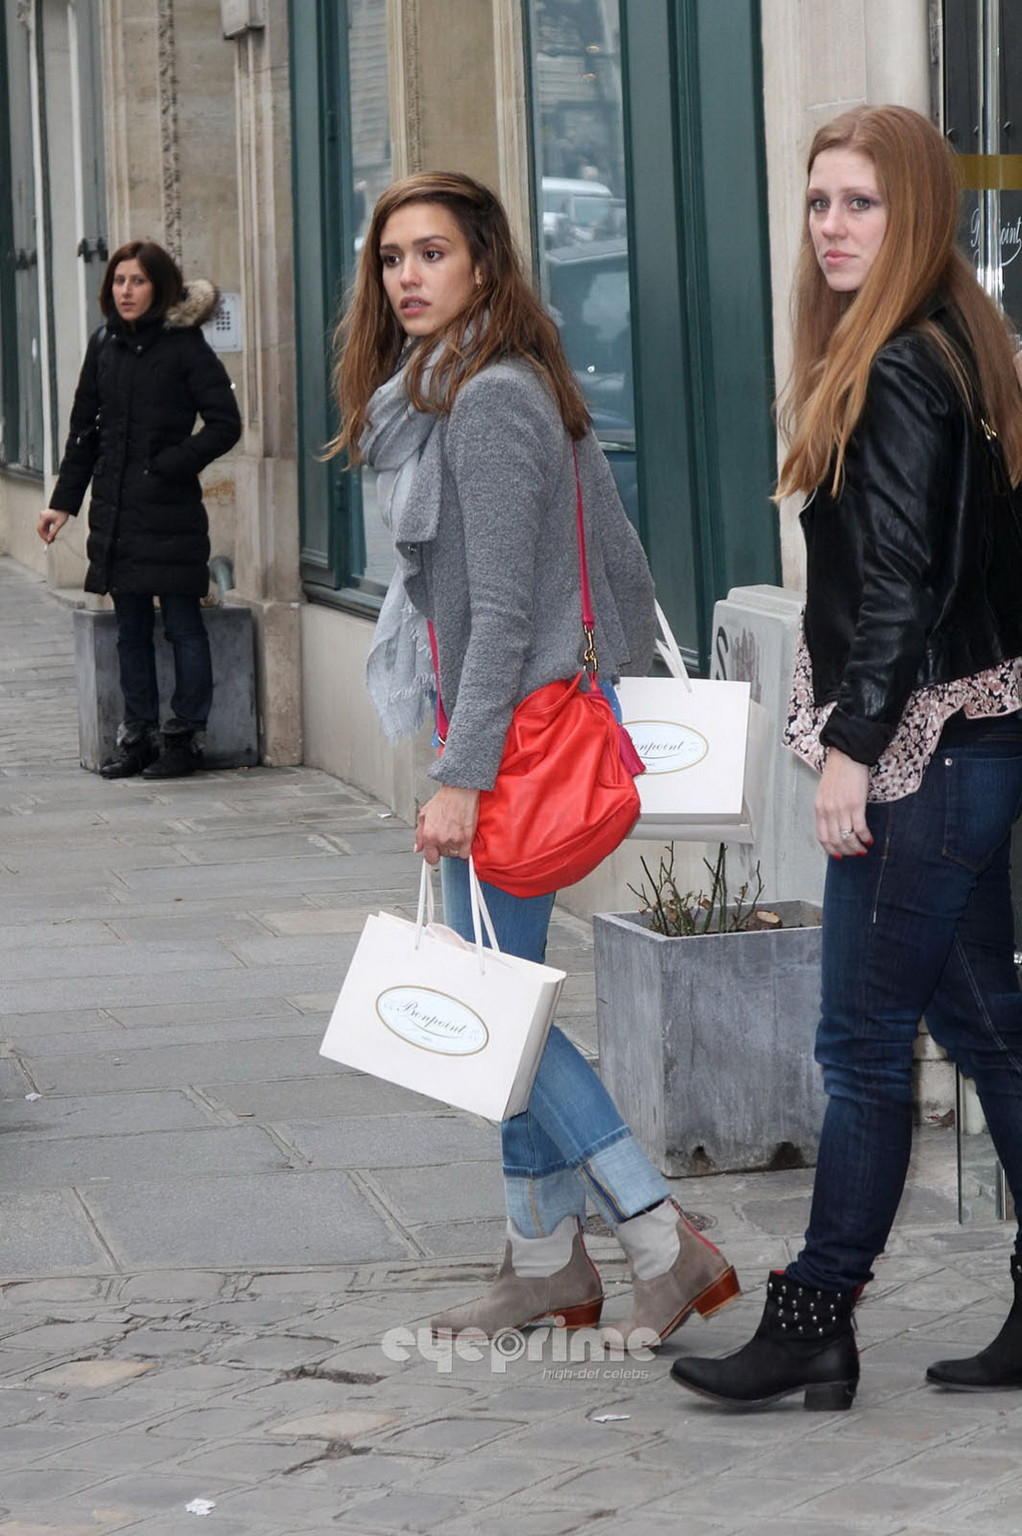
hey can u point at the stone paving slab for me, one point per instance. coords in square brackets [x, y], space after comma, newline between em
[13, 1081]
[120, 960]
[340, 1095]
[44, 1231]
[69, 932]
[165, 1066]
[414, 1192]
[178, 983]
[392, 1141]
[33, 1162]
[271, 1018]
[102, 1115]
[307, 1217]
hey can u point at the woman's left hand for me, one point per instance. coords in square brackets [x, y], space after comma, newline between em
[841, 824]
[447, 824]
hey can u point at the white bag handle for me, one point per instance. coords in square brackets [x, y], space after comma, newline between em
[480, 912]
[667, 648]
[427, 906]
[480, 909]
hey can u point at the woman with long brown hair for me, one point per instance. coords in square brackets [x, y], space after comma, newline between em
[905, 438]
[453, 387]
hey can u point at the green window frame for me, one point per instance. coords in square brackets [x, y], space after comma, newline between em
[330, 500]
[699, 274]
[23, 231]
[702, 349]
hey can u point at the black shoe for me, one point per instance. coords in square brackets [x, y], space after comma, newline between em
[136, 749]
[805, 1343]
[178, 758]
[998, 1368]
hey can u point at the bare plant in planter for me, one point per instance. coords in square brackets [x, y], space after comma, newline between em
[707, 1006]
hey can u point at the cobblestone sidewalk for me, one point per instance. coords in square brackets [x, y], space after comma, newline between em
[217, 1249]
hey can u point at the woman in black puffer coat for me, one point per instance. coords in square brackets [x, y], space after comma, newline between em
[148, 373]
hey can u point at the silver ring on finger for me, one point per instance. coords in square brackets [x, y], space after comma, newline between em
[846, 832]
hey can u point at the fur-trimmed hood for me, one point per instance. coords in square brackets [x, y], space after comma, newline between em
[196, 305]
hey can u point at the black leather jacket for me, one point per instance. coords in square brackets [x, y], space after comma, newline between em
[915, 567]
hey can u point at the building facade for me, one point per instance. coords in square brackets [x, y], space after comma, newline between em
[651, 153]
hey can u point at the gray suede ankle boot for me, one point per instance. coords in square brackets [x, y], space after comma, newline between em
[700, 1279]
[571, 1298]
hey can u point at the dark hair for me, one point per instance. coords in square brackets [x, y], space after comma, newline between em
[503, 318]
[159, 267]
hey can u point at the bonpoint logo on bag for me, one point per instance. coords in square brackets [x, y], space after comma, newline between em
[433, 1021]
[667, 746]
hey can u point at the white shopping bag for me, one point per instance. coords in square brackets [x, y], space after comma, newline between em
[459, 1022]
[703, 743]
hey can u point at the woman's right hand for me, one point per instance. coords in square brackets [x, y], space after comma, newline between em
[841, 825]
[50, 523]
[447, 824]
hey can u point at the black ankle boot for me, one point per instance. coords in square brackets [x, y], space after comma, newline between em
[805, 1342]
[999, 1366]
[135, 750]
[178, 757]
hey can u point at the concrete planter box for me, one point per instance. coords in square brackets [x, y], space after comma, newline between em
[706, 1043]
[231, 736]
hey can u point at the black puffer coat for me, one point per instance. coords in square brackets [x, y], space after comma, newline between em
[140, 390]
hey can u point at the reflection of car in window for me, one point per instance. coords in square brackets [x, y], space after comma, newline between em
[589, 297]
[588, 291]
[578, 210]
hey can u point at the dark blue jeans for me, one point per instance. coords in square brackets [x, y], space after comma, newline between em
[187, 637]
[921, 926]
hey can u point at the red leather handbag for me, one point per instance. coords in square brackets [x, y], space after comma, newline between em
[565, 794]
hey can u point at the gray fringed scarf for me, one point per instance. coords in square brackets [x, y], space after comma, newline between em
[399, 670]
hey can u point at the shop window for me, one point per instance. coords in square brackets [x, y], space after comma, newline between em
[647, 135]
[21, 426]
[581, 198]
[982, 102]
[342, 162]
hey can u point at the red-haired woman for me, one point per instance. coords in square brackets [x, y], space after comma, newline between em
[148, 372]
[453, 386]
[905, 421]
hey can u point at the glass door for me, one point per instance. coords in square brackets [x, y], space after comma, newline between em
[581, 201]
[647, 135]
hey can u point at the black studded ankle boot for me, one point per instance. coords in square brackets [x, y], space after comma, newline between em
[998, 1368]
[805, 1342]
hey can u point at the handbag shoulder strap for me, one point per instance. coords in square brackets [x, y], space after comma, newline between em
[588, 618]
[441, 713]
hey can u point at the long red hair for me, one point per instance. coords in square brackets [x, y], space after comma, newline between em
[837, 335]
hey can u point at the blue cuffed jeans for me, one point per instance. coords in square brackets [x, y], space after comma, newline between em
[571, 1141]
[186, 634]
[922, 926]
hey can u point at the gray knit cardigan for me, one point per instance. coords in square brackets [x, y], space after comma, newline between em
[489, 552]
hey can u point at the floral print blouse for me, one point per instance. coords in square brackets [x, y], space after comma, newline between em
[900, 768]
